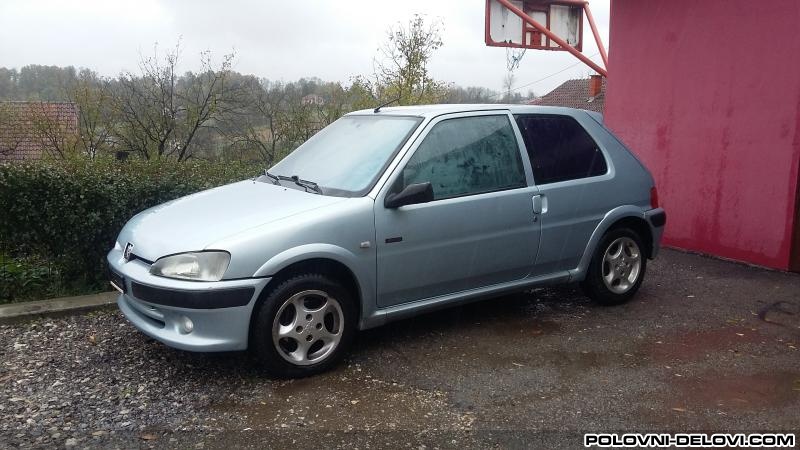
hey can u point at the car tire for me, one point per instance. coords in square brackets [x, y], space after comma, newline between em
[304, 326]
[617, 268]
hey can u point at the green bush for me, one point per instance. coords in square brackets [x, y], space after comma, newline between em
[69, 213]
[24, 278]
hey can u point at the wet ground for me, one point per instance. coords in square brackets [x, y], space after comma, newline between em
[707, 345]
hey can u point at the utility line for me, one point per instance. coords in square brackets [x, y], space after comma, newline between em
[543, 78]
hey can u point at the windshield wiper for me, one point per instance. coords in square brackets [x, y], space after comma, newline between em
[305, 184]
[275, 179]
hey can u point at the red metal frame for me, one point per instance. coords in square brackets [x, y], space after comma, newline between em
[563, 45]
[596, 34]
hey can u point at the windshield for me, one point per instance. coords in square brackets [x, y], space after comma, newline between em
[347, 156]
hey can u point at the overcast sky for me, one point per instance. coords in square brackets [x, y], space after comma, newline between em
[281, 40]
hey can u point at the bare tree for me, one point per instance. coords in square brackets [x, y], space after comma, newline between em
[258, 125]
[57, 136]
[508, 85]
[92, 96]
[13, 135]
[273, 119]
[159, 114]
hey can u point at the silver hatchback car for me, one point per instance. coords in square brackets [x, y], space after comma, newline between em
[385, 214]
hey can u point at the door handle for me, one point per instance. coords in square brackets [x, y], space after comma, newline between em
[539, 204]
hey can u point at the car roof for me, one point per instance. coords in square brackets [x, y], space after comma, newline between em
[437, 110]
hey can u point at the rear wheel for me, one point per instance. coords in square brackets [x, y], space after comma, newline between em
[304, 326]
[617, 268]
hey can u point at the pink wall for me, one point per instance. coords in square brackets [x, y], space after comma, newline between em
[707, 94]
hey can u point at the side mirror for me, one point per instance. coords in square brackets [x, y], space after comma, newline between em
[411, 195]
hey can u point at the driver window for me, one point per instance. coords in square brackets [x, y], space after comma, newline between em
[465, 156]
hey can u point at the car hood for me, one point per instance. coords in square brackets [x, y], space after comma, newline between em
[193, 222]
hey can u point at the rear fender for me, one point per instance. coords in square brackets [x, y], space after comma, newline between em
[611, 217]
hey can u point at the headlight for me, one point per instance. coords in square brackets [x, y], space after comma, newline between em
[198, 266]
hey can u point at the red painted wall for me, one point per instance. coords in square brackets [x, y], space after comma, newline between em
[707, 94]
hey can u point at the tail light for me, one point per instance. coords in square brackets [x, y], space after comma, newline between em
[653, 197]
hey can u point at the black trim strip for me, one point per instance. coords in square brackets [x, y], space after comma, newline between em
[659, 219]
[134, 257]
[223, 298]
[117, 280]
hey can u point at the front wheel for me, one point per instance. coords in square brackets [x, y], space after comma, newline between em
[617, 268]
[304, 326]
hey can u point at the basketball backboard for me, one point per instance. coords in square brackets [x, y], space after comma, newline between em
[518, 25]
[505, 28]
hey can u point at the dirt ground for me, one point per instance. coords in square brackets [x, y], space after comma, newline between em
[707, 345]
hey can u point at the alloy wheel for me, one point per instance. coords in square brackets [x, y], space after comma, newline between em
[622, 263]
[308, 327]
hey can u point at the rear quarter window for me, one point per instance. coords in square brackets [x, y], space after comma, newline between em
[559, 148]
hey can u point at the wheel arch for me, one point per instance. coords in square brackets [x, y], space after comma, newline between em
[623, 216]
[333, 261]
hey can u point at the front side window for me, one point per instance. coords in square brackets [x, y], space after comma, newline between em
[468, 155]
[560, 149]
[347, 156]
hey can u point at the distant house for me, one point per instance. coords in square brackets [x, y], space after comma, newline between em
[30, 130]
[586, 93]
[313, 99]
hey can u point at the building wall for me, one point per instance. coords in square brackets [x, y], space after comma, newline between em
[707, 94]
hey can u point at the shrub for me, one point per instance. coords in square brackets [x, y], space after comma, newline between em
[24, 278]
[70, 212]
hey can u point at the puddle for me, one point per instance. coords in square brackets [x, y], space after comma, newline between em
[344, 400]
[505, 321]
[737, 392]
[785, 314]
[694, 345]
[507, 332]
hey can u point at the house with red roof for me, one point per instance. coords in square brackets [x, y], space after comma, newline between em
[583, 93]
[32, 130]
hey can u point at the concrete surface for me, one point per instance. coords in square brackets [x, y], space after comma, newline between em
[14, 312]
[707, 345]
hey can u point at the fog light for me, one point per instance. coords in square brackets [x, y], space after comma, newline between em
[186, 325]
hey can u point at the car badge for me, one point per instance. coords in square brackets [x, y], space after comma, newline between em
[128, 252]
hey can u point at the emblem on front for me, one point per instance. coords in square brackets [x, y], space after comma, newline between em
[128, 252]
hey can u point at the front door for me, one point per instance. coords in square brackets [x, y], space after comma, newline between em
[480, 228]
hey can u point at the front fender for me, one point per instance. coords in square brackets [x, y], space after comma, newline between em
[362, 267]
[608, 220]
[305, 252]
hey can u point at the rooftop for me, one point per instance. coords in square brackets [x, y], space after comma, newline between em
[28, 129]
[574, 94]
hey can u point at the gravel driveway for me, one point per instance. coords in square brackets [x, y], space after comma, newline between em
[707, 345]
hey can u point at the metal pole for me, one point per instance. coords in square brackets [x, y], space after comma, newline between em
[596, 34]
[554, 38]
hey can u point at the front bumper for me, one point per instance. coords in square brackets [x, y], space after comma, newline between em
[219, 312]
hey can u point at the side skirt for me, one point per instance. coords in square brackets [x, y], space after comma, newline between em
[405, 310]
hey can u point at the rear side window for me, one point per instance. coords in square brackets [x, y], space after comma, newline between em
[560, 149]
[468, 155]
